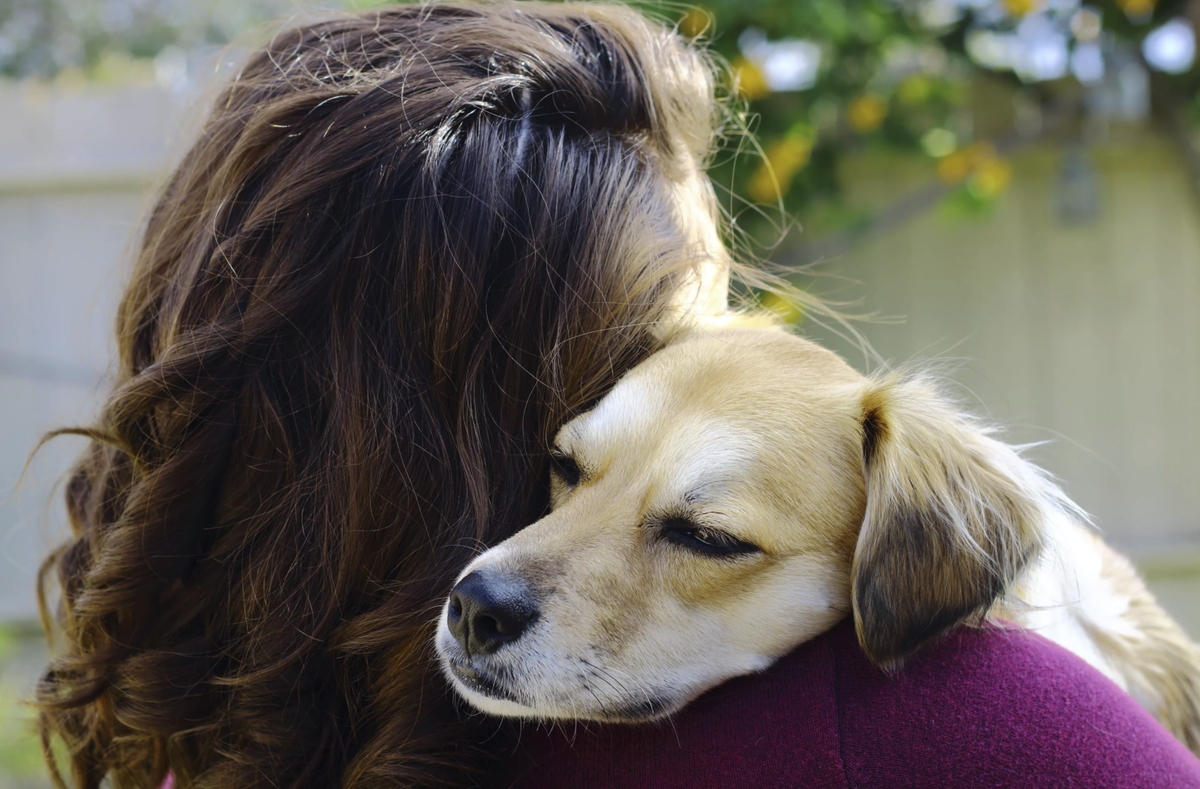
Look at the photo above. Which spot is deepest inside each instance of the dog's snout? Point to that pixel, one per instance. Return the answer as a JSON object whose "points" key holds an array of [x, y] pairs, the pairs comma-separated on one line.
{"points": [[488, 611]]}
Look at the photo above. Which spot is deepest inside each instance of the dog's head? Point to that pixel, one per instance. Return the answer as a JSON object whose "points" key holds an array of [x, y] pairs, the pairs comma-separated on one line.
{"points": [[733, 496]]}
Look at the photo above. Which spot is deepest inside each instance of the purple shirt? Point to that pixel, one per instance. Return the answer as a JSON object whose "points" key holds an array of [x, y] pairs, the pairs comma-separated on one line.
{"points": [[980, 709]]}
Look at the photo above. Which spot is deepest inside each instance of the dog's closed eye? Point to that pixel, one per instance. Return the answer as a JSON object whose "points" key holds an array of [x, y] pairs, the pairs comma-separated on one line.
{"points": [[565, 468], [704, 540]]}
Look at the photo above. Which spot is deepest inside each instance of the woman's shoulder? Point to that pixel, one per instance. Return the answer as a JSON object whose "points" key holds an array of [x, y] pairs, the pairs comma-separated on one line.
{"points": [[989, 707], [997, 707]]}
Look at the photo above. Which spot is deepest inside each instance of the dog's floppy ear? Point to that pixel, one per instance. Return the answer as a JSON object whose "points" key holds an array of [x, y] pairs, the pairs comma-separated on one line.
{"points": [[952, 516]]}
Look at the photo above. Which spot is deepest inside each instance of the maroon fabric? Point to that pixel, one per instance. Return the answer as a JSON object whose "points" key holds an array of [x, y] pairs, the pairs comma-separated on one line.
{"points": [[981, 709]]}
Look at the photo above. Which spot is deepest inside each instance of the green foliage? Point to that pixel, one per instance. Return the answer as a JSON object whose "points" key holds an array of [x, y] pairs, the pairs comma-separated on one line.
{"points": [[40, 38], [20, 750], [883, 80], [892, 74]]}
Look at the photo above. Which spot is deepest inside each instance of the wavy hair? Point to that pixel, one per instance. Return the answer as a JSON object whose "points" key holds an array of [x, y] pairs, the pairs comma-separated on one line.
{"points": [[406, 246]]}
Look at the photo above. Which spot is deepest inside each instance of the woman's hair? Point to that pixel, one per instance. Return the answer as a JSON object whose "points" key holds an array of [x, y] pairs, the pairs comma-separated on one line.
{"points": [[408, 244]]}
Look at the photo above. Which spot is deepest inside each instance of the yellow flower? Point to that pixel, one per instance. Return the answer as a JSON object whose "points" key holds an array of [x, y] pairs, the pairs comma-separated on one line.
{"points": [[1137, 8], [749, 79], [990, 178], [866, 113], [695, 22], [953, 168], [956, 166], [1019, 8], [785, 158]]}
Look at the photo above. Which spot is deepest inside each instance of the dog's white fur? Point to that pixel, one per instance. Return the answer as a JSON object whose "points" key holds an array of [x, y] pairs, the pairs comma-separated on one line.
{"points": [[873, 497]]}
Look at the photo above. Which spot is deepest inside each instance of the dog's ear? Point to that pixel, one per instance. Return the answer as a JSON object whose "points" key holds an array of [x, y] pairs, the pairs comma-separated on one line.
{"points": [[952, 516]]}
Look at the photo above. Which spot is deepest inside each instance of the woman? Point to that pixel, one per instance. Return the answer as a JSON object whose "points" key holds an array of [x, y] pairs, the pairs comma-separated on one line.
{"points": [[407, 245]]}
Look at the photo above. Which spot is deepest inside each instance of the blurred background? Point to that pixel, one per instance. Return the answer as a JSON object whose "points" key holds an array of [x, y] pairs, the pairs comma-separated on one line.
{"points": [[1009, 184]]}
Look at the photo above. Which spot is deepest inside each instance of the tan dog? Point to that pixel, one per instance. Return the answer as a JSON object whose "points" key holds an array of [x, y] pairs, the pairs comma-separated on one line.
{"points": [[741, 492]]}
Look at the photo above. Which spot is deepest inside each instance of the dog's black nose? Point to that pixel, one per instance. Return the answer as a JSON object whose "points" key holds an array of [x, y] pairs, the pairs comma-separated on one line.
{"points": [[488, 611]]}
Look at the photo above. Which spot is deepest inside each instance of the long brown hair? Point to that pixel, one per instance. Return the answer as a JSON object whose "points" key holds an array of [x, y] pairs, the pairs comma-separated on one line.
{"points": [[407, 245]]}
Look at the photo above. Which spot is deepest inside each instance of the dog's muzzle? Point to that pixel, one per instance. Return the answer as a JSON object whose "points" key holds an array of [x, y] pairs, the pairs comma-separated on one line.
{"points": [[480, 646], [488, 611]]}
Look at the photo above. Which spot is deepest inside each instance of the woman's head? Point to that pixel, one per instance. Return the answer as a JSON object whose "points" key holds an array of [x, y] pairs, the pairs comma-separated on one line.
{"points": [[407, 245]]}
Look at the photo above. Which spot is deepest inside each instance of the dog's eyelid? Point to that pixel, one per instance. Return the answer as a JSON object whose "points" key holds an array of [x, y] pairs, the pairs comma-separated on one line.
{"points": [[565, 467], [656, 519], [688, 532]]}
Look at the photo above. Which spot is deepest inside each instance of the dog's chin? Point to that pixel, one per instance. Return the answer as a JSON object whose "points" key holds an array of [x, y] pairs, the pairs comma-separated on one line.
{"points": [[651, 709], [484, 692], [490, 695], [636, 712]]}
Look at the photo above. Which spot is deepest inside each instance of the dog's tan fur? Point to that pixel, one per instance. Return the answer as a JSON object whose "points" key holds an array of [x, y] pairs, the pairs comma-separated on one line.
{"points": [[866, 496]]}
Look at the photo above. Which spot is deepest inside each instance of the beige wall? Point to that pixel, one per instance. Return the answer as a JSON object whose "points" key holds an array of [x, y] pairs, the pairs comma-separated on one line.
{"points": [[1084, 336], [75, 173]]}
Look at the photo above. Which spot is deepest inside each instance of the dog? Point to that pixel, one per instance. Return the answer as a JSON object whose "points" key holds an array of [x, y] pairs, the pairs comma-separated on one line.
{"points": [[741, 492]]}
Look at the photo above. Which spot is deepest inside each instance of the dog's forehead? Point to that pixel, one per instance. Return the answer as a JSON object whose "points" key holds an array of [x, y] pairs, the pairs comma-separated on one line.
{"points": [[713, 462], [654, 404], [715, 403], [657, 419], [633, 406]]}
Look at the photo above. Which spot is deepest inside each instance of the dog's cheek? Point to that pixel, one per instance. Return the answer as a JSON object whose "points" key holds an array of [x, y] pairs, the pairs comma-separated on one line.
{"points": [[614, 612], [686, 652], [792, 602], [714, 582], [614, 631]]}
